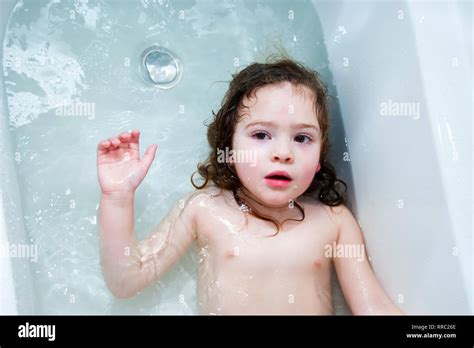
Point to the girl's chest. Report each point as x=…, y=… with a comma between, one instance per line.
x=255, y=246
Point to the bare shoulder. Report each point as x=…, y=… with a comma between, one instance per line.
x=340, y=212
x=313, y=206
x=346, y=223
x=336, y=216
x=204, y=195
x=200, y=201
x=209, y=207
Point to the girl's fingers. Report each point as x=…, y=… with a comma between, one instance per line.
x=104, y=144
x=135, y=134
x=134, y=139
x=114, y=141
x=123, y=140
x=149, y=156
x=125, y=137
x=103, y=147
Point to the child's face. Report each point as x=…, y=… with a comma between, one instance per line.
x=278, y=132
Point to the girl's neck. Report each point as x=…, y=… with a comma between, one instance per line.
x=277, y=211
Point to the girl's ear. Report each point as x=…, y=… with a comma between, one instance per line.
x=318, y=168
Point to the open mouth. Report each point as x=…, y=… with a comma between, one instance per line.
x=278, y=177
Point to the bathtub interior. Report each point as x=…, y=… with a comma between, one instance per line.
x=412, y=173
x=16, y=293
x=78, y=53
x=7, y=298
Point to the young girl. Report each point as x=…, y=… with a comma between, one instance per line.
x=268, y=219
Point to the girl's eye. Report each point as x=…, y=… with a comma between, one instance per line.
x=303, y=138
x=260, y=135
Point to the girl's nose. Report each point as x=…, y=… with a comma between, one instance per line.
x=282, y=155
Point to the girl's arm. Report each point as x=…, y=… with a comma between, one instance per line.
x=361, y=289
x=129, y=266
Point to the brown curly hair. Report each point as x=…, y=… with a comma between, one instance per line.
x=221, y=130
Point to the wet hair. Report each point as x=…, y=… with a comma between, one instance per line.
x=324, y=186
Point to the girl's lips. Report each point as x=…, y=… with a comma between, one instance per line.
x=277, y=182
x=280, y=174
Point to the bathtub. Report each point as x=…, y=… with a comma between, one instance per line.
x=401, y=136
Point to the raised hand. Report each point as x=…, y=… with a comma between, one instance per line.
x=119, y=166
